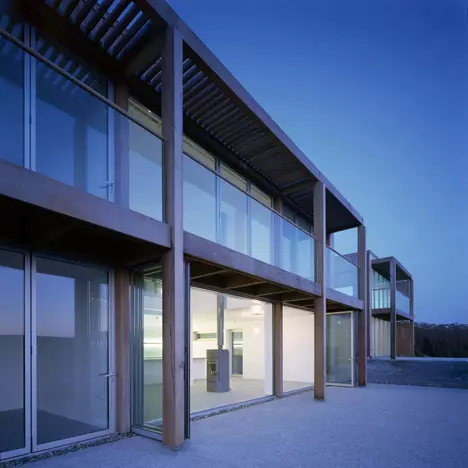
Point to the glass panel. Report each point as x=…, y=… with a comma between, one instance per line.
x=402, y=296
x=11, y=97
x=236, y=366
x=199, y=200
x=298, y=349
x=233, y=223
x=342, y=275
x=261, y=196
x=148, y=349
x=71, y=133
x=298, y=251
x=233, y=177
x=12, y=366
x=199, y=154
x=72, y=320
x=145, y=171
x=261, y=232
x=380, y=291
x=339, y=349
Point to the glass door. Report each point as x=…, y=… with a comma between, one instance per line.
x=72, y=379
x=340, y=349
x=14, y=354
x=147, y=391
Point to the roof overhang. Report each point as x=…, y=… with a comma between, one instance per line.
x=123, y=39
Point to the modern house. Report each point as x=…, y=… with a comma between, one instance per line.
x=165, y=247
x=391, y=326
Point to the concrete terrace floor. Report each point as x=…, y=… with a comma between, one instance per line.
x=377, y=426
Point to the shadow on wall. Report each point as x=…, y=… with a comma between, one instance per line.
x=441, y=340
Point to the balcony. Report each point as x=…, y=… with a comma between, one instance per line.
x=217, y=210
x=64, y=129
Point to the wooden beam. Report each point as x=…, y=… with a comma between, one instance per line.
x=39, y=190
x=297, y=187
x=320, y=303
x=173, y=261
x=123, y=340
x=202, y=270
x=236, y=281
x=278, y=349
x=269, y=289
x=363, y=314
x=152, y=47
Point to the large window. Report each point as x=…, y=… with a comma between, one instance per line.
x=56, y=383
x=71, y=131
x=12, y=110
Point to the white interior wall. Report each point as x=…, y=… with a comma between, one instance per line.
x=298, y=345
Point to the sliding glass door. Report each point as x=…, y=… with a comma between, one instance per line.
x=71, y=368
x=56, y=380
x=341, y=349
x=14, y=355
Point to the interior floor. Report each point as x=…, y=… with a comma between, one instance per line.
x=291, y=386
x=51, y=427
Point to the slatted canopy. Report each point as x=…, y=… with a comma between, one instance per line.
x=123, y=39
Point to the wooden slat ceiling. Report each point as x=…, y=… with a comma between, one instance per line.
x=126, y=33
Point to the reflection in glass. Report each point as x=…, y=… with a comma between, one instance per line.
x=233, y=222
x=146, y=188
x=342, y=275
x=199, y=200
x=12, y=323
x=12, y=101
x=262, y=232
x=71, y=133
x=72, y=320
x=340, y=360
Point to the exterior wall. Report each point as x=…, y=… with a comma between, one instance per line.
x=380, y=339
x=405, y=339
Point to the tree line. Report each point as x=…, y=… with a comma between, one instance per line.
x=441, y=340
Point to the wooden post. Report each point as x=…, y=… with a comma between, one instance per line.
x=320, y=303
x=369, y=301
x=173, y=261
x=392, y=308
x=412, y=314
x=278, y=349
x=122, y=354
x=364, y=313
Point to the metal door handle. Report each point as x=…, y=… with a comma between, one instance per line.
x=110, y=374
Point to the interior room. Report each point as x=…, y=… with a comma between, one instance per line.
x=231, y=350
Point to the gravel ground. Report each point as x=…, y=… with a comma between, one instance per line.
x=378, y=426
x=422, y=372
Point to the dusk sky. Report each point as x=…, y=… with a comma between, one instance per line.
x=376, y=95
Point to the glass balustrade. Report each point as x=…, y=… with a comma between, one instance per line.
x=342, y=275
x=52, y=125
x=220, y=212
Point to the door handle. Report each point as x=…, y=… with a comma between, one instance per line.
x=110, y=374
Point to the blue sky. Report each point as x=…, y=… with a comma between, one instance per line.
x=376, y=94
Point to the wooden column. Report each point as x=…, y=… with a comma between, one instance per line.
x=412, y=314
x=392, y=308
x=122, y=354
x=173, y=261
x=320, y=303
x=364, y=313
x=278, y=348
x=369, y=302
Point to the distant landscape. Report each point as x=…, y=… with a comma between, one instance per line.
x=441, y=340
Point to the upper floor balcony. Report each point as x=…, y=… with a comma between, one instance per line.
x=65, y=122
x=382, y=272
